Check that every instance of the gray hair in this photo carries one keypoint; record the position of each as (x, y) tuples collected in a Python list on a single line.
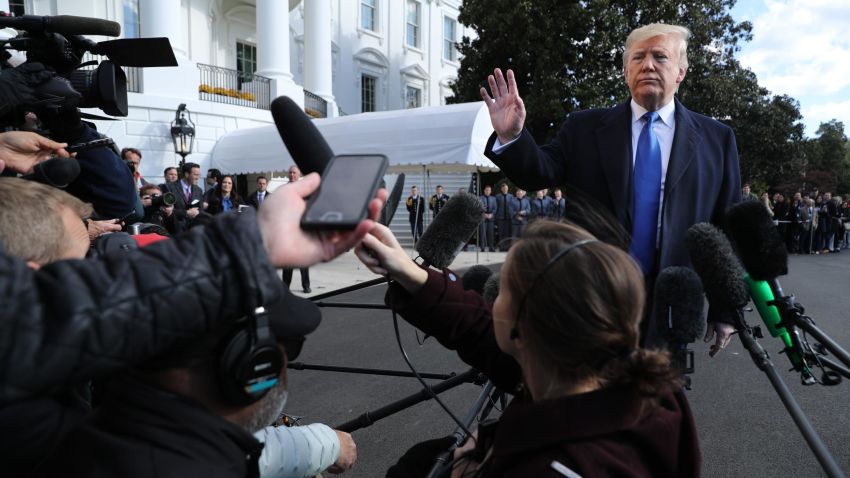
[(657, 29)]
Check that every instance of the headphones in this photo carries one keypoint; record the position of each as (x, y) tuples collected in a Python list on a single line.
[(249, 362)]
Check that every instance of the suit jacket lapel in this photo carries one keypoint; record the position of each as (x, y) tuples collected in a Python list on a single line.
[(685, 145), (613, 138)]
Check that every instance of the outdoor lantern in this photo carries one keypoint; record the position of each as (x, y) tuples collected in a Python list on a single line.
[(182, 133)]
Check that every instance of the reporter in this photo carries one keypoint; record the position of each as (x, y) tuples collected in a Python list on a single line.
[(590, 400)]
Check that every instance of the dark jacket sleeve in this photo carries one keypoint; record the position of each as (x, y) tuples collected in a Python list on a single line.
[(105, 180), (75, 320), (528, 165), (459, 320)]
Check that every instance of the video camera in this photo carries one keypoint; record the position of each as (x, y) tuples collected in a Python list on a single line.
[(57, 43)]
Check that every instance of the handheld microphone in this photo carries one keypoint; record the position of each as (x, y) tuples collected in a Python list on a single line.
[(56, 172), (679, 303), (390, 207), (765, 257), (450, 230), (63, 24), (302, 139)]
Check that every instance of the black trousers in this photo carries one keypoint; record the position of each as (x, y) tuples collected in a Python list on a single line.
[(305, 277)]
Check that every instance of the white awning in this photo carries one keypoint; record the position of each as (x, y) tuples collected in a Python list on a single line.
[(439, 139)]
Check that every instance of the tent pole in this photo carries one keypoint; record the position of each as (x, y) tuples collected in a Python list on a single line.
[(480, 229)]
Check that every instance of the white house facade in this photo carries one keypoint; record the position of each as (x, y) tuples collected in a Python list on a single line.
[(331, 56)]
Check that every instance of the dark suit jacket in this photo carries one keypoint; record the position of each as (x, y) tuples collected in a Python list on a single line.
[(252, 199), (592, 152), (180, 205)]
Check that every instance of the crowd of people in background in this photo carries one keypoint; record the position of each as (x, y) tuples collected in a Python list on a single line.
[(810, 222)]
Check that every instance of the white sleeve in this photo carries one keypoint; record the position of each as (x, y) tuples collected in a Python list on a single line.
[(297, 452), (498, 147)]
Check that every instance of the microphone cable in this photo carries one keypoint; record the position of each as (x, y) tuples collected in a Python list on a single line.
[(427, 387)]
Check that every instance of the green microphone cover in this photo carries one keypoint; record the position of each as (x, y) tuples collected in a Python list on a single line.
[(761, 295)]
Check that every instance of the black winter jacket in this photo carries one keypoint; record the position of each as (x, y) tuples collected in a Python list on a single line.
[(75, 320)]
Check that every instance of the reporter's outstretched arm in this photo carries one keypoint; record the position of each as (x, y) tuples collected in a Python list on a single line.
[(381, 253)]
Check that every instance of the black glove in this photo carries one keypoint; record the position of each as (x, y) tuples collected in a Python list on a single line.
[(16, 85)]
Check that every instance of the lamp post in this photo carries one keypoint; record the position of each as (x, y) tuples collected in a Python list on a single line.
[(182, 133)]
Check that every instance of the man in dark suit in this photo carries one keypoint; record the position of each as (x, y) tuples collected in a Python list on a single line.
[(416, 211), (657, 166), (559, 205), (438, 200), (503, 216), (520, 209), (257, 197), (186, 191), (486, 239)]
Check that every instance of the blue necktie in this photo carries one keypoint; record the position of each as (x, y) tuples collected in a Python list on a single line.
[(646, 193)]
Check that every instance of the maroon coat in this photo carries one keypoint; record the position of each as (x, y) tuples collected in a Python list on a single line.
[(601, 433)]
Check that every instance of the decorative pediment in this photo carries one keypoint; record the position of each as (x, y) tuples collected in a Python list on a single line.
[(372, 57), (415, 71)]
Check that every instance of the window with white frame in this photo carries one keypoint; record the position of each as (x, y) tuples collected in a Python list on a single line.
[(449, 39), (246, 61), (413, 17), (368, 99), (368, 14), (412, 97)]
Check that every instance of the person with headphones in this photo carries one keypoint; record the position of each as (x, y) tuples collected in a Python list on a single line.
[(589, 400), (202, 408)]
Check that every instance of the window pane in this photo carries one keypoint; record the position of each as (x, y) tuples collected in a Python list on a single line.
[(16, 7), (367, 14), (367, 93), (413, 23), (131, 18), (413, 97), (449, 39)]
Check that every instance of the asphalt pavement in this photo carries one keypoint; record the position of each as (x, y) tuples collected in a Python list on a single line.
[(744, 429)]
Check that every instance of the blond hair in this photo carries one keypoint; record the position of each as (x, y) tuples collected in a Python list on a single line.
[(659, 29), (31, 226)]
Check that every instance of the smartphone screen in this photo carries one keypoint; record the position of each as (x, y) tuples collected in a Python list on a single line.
[(349, 182)]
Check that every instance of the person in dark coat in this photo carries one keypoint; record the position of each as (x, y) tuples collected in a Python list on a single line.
[(260, 195), (438, 200), (415, 204), (503, 216), (559, 205), (225, 198), (590, 401), (487, 239)]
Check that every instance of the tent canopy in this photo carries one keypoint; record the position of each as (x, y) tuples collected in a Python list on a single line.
[(439, 139)]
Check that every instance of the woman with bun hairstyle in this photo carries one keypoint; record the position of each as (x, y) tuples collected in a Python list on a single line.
[(562, 336)]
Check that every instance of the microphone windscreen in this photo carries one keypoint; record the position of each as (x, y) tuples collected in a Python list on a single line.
[(303, 140), (391, 205), (454, 225), (718, 268), (679, 303), (491, 288), (757, 240), (56, 172), (73, 25), (475, 278)]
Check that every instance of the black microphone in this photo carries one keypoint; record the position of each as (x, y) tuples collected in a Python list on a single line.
[(450, 230), (390, 207), (63, 24), (302, 139), (475, 278), (755, 237), (718, 268), (491, 288), (679, 304), (56, 172)]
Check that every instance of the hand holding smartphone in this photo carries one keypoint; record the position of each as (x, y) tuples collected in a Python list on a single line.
[(349, 182)]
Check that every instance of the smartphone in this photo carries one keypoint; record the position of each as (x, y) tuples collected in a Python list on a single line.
[(76, 148), (349, 182)]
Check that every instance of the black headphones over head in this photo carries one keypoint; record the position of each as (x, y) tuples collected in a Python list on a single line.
[(249, 362)]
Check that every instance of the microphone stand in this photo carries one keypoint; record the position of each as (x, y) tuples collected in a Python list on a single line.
[(762, 361)]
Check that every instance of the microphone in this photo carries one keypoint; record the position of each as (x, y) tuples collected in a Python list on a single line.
[(302, 139), (679, 303), (718, 268), (390, 207), (56, 172), (765, 257), (491, 288), (63, 24), (450, 230), (476, 278)]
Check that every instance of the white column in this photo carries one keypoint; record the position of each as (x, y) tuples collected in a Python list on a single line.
[(273, 48), (318, 66), (161, 18)]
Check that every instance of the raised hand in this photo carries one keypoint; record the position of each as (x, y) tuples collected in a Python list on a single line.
[(507, 111)]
